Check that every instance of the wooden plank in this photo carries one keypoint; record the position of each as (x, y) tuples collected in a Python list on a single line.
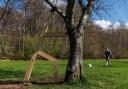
[(32, 62), (55, 72), (55, 65), (30, 67), (47, 56), (55, 34), (10, 82)]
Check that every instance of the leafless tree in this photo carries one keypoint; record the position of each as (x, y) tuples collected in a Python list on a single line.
[(75, 33)]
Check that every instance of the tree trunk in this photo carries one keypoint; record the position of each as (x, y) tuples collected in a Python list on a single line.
[(74, 68)]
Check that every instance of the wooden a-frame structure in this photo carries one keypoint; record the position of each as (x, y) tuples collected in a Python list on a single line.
[(46, 56), (33, 60), (43, 54)]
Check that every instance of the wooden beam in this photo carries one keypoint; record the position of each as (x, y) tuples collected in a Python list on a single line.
[(30, 67), (46, 56), (32, 62)]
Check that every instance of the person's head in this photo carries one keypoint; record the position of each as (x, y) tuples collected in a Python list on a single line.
[(107, 49)]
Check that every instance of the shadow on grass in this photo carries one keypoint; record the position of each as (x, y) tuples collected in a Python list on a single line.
[(11, 75), (83, 83), (86, 82)]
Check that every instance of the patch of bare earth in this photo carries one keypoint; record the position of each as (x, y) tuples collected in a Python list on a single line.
[(11, 86)]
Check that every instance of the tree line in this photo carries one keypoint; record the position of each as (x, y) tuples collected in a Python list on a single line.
[(20, 32)]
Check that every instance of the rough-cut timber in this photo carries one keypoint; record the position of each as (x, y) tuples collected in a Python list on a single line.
[(33, 59)]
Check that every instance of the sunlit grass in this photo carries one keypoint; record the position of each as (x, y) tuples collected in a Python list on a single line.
[(97, 77)]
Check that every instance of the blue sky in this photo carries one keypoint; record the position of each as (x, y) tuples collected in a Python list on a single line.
[(18, 5), (117, 11), (1, 2)]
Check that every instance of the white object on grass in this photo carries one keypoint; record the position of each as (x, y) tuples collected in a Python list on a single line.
[(90, 65)]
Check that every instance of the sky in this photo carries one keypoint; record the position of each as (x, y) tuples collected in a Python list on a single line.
[(1, 2), (116, 13)]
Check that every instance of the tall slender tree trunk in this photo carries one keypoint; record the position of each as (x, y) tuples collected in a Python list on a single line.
[(74, 69)]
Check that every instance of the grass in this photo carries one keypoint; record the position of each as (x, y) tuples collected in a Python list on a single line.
[(97, 77)]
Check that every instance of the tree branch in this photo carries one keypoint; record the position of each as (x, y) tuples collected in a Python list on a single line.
[(54, 8), (5, 9), (86, 11), (81, 4), (70, 8)]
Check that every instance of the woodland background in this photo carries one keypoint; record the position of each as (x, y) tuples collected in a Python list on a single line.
[(20, 31)]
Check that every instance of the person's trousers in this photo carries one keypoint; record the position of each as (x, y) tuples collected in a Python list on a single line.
[(108, 62)]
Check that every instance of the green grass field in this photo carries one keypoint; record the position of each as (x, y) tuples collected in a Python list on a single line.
[(97, 77)]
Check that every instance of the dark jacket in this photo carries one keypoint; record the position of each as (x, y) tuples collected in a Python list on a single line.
[(107, 54)]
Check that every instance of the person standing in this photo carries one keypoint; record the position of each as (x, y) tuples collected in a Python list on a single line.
[(107, 56)]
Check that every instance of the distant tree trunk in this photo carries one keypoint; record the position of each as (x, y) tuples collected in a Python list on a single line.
[(74, 68)]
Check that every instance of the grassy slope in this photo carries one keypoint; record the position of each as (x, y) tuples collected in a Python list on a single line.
[(98, 77)]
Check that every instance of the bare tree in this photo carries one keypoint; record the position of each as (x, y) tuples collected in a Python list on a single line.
[(74, 71)]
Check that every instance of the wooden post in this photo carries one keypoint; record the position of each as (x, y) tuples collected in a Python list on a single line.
[(30, 67), (55, 72)]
